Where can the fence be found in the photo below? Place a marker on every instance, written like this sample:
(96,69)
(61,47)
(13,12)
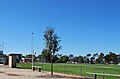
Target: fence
(102,71)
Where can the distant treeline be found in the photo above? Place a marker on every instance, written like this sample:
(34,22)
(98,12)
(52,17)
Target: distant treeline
(110,58)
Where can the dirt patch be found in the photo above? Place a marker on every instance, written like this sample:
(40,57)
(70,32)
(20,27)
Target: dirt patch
(59,76)
(13,75)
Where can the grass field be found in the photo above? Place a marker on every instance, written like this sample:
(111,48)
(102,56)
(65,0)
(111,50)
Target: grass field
(78,69)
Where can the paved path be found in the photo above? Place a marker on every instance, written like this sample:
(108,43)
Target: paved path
(14,73)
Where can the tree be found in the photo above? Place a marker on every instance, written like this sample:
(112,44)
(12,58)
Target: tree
(71,57)
(118,58)
(52,44)
(84,59)
(55,58)
(87,56)
(22,56)
(101,56)
(75,59)
(64,58)
(45,55)
(39,58)
(80,59)
(92,60)
(94,57)
(111,58)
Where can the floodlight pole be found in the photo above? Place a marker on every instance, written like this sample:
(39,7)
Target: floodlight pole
(32,52)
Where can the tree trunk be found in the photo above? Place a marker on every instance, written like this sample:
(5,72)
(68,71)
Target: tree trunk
(51,63)
(51,68)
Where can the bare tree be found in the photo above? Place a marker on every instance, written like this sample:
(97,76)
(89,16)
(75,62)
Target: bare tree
(52,43)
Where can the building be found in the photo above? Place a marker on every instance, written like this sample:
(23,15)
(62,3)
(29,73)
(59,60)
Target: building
(3,58)
(28,60)
(118,58)
(18,57)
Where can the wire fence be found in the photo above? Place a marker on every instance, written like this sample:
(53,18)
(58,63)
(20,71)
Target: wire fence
(88,70)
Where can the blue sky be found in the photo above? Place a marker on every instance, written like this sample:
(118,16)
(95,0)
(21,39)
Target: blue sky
(85,26)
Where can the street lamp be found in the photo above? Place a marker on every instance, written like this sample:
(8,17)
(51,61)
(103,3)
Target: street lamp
(32,51)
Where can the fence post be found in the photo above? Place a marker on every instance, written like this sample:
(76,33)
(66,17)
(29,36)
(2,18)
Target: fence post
(81,70)
(94,76)
(64,68)
(103,72)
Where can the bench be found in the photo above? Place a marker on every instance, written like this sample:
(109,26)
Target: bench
(39,68)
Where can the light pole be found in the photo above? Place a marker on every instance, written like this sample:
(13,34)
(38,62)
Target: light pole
(32,52)
(2,51)
(2,46)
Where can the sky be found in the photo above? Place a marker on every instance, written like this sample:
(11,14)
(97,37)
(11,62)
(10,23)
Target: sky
(85,26)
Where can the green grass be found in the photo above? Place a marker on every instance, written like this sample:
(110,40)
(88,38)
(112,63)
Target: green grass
(78,69)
